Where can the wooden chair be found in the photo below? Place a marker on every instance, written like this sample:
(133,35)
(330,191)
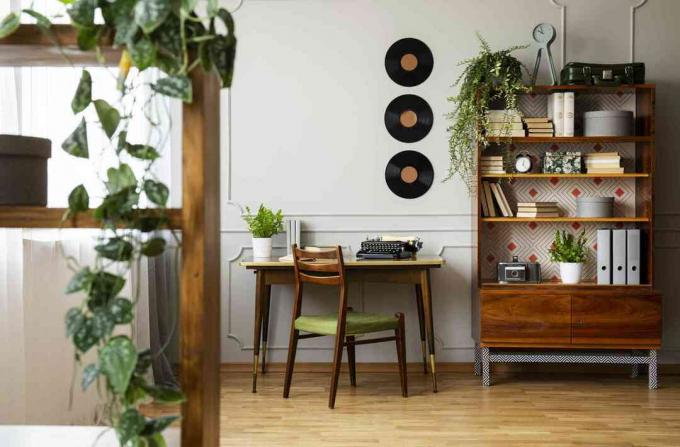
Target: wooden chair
(328,269)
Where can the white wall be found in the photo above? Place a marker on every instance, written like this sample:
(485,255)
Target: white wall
(304,132)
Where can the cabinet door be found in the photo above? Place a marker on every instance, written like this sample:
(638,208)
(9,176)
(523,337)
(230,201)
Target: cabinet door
(617,320)
(525,319)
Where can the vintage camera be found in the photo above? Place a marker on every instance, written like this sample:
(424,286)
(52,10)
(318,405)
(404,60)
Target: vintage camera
(515,271)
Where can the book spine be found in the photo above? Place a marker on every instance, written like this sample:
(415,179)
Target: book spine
(556,111)
(568,115)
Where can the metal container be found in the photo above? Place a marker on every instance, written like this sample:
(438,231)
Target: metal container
(608,123)
(594,207)
(23,170)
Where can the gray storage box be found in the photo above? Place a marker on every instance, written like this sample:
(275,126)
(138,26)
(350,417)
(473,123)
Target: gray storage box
(23,170)
(608,123)
(594,207)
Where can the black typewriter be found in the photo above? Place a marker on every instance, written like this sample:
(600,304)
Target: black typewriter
(389,248)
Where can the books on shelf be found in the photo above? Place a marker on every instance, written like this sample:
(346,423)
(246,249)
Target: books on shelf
(568,115)
(493,198)
(491,164)
(539,127)
(537,209)
(561,108)
(504,123)
(503,116)
(603,163)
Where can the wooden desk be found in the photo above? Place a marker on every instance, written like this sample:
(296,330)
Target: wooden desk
(406,271)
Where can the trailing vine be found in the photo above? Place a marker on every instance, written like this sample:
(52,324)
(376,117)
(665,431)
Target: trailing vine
(491,76)
(171,36)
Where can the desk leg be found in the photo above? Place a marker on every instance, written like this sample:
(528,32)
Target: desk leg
(259,298)
(421,324)
(266,303)
(429,326)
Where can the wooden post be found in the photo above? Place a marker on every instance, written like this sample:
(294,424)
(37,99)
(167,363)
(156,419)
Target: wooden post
(200,278)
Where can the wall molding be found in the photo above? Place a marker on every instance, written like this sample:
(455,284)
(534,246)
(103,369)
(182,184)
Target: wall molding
(633,9)
(563,30)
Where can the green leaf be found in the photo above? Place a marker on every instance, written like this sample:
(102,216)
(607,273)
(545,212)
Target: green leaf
(80,281)
(115,249)
(213,6)
(82,12)
(156,440)
(76,143)
(130,424)
(102,323)
(90,373)
(143,53)
(174,87)
(43,22)
(149,14)
(158,425)
(105,286)
(134,393)
(143,362)
(223,52)
(120,179)
(157,192)
(117,362)
(142,151)
(108,116)
(83,96)
(153,247)
(126,30)
(9,24)
(88,37)
(122,141)
(227,19)
(189,5)
(121,310)
(74,321)
(164,394)
(117,206)
(78,200)
(85,337)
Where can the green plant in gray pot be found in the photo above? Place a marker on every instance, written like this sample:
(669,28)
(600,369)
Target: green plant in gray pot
(262,226)
(571,252)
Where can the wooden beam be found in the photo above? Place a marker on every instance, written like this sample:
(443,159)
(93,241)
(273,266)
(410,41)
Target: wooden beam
(41,217)
(200,278)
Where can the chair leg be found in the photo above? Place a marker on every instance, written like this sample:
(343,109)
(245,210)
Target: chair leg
(337,363)
(290,364)
(351,358)
(400,334)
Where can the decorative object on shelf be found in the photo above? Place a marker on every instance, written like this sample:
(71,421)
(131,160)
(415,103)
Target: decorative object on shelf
(262,227)
(408,118)
(580,73)
(568,114)
(409,62)
(556,112)
(571,253)
(562,163)
(608,123)
(409,174)
(504,124)
(539,127)
(174,38)
(537,209)
(544,35)
(523,163)
(594,206)
(603,163)
(23,170)
(487,77)
(518,272)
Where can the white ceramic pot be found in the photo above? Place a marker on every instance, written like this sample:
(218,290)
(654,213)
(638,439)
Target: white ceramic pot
(570,272)
(262,247)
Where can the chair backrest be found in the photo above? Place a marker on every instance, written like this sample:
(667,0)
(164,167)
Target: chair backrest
(324,267)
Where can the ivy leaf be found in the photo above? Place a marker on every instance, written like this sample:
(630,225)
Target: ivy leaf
(223,53)
(115,249)
(227,19)
(9,24)
(90,373)
(156,440)
(153,247)
(78,200)
(82,12)
(174,87)
(149,14)
(119,205)
(108,116)
(142,151)
(120,179)
(117,362)
(121,310)
(164,394)
(80,281)
(83,96)
(158,425)
(74,321)
(143,362)
(76,143)
(84,338)
(157,192)
(126,29)
(122,141)
(130,424)
(143,53)
(42,21)
(87,37)
(134,393)
(102,323)
(105,286)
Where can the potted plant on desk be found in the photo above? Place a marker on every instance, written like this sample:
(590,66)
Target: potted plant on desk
(263,226)
(570,252)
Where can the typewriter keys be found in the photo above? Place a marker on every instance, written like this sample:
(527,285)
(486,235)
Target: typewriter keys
(409,174)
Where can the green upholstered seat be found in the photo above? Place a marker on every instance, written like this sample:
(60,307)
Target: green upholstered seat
(357,323)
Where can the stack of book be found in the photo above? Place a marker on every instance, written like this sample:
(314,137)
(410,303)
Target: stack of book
(493,199)
(491,164)
(539,127)
(537,209)
(561,111)
(603,163)
(504,123)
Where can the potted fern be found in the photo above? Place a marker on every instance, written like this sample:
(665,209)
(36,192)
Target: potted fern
(263,225)
(571,252)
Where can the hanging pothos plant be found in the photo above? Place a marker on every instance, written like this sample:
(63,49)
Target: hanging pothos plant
(491,76)
(171,36)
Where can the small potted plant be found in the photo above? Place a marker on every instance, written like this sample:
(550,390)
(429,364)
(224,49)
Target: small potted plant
(263,226)
(570,252)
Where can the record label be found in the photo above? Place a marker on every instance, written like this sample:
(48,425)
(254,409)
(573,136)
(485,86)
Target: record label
(408,118)
(409,62)
(409,174)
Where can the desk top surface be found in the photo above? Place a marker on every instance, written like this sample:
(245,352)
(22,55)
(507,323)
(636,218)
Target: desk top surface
(353,263)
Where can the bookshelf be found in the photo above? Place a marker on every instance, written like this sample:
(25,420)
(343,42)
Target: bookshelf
(550,315)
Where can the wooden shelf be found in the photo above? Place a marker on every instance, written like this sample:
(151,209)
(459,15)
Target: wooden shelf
(40,217)
(547,89)
(588,284)
(567,176)
(565,219)
(571,140)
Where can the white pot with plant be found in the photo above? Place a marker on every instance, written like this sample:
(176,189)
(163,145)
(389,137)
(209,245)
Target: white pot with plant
(262,227)
(571,253)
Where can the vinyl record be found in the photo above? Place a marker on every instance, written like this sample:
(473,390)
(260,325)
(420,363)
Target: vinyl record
(409,174)
(409,62)
(408,118)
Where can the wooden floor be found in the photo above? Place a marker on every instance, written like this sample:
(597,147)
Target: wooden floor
(521,409)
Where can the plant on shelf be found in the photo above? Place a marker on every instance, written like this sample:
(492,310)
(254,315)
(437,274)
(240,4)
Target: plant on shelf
(571,252)
(171,37)
(490,77)
(263,225)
